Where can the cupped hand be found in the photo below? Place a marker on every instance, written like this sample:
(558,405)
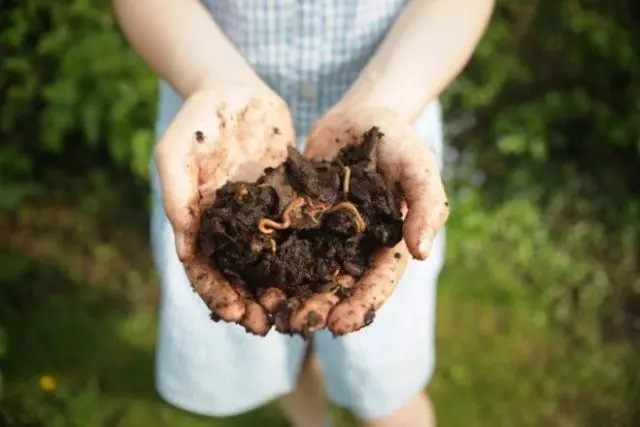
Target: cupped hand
(404,160)
(220,134)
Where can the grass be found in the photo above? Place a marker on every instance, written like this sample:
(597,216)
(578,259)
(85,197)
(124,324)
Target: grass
(92,329)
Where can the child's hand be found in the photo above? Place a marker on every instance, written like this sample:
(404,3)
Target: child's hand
(219,135)
(404,160)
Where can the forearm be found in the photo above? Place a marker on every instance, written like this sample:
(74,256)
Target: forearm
(182,43)
(425,50)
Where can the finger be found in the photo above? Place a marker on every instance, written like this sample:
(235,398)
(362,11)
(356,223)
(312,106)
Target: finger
(283,314)
(255,319)
(313,313)
(215,291)
(428,208)
(370,292)
(271,299)
(345,282)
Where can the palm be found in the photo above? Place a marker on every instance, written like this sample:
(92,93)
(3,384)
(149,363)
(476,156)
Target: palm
(405,161)
(216,137)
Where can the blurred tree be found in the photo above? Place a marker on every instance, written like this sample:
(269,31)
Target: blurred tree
(73,95)
(548,112)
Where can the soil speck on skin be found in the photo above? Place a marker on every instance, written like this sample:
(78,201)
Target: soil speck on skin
(223,122)
(369,316)
(199,136)
(303,223)
(313,318)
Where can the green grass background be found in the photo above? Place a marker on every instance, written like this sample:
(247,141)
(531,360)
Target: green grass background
(79,305)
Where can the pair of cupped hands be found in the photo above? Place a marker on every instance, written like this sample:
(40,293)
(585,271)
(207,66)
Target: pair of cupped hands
(232,134)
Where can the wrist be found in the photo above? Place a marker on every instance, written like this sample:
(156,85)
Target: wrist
(368,110)
(373,91)
(247,80)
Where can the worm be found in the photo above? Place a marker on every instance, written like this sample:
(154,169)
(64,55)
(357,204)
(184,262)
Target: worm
(316,209)
(345,183)
(360,224)
(266,225)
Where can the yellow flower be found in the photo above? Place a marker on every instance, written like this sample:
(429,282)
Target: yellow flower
(47,383)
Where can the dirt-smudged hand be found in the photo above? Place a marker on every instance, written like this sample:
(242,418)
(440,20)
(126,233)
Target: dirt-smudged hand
(406,161)
(219,134)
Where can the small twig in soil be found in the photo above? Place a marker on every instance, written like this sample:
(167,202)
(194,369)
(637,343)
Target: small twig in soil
(345,183)
(272,244)
(360,224)
(267,226)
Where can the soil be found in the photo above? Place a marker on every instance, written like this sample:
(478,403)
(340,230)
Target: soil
(303,224)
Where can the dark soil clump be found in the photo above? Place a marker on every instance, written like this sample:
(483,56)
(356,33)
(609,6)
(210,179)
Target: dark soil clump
(303,224)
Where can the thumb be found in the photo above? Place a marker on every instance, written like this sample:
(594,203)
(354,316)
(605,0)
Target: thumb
(428,208)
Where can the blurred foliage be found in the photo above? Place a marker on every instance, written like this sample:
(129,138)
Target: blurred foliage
(73,96)
(77,111)
(545,117)
(545,195)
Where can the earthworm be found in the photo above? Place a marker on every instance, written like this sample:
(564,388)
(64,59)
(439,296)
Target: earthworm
(360,224)
(345,183)
(313,204)
(315,210)
(272,243)
(266,225)
(314,217)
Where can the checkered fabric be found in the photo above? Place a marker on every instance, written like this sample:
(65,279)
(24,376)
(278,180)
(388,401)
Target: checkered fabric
(310,52)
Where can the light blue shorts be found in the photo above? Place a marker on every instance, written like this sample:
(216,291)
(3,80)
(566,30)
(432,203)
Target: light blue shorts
(218,369)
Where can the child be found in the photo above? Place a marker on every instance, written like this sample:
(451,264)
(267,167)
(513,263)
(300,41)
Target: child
(255,76)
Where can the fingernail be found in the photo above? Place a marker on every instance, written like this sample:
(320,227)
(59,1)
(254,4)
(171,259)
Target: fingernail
(426,242)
